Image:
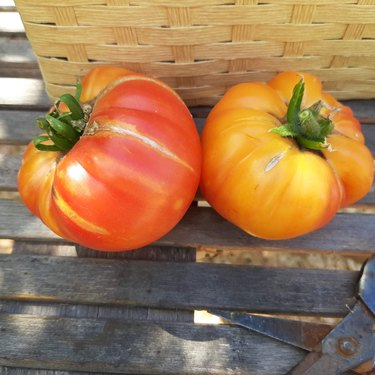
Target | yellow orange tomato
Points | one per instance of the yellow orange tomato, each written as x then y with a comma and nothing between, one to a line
263,176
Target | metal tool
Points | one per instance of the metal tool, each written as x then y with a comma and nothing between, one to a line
350,345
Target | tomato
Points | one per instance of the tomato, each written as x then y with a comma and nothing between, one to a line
281,158
132,173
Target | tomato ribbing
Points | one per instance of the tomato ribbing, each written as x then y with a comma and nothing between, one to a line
261,170
134,168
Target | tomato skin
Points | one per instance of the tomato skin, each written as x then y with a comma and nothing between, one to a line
97,79
268,185
132,175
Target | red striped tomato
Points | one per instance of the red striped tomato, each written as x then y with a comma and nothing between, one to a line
130,176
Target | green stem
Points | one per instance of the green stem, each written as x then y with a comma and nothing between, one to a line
306,126
294,106
309,124
63,129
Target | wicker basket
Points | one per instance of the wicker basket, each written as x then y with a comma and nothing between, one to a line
202,47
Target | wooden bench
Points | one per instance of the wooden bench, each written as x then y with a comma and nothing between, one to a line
65,309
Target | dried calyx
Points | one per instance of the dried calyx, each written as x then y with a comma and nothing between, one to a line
307,126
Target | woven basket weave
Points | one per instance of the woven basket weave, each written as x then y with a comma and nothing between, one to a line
202,47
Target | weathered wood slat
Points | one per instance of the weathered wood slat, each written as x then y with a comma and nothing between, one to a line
346,234
364,109
7,6
19,70
23,93
115,346
137,313
11,23
30,93
18,127
175,285
17,59
368,200
16,51
150,253
25,371
9,165
153,253
369,133
44,248
204,227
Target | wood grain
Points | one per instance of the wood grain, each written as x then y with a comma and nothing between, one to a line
117,346
9,165
345,234
6,370
92,311
43,248
151,253
18,127
175,285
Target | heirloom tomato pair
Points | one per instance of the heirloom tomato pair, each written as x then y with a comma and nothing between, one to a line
117,176
120,163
